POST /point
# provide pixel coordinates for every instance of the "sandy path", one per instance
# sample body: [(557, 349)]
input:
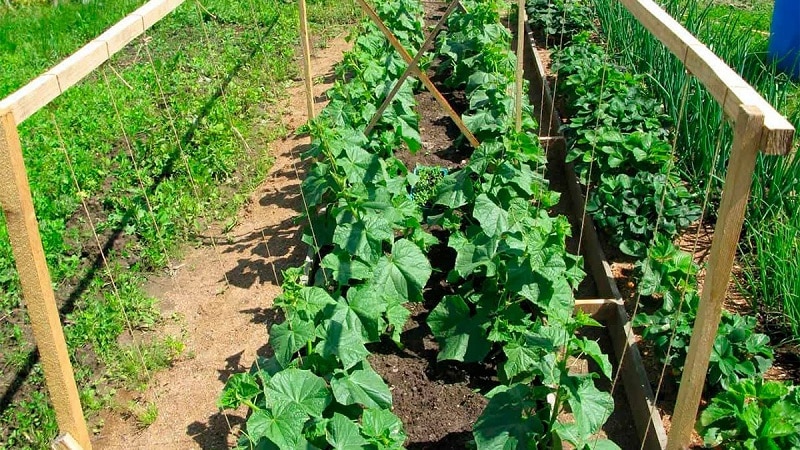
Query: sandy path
[(226, 326)]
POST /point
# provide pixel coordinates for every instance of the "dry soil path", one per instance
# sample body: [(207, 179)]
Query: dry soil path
[(225, 324)]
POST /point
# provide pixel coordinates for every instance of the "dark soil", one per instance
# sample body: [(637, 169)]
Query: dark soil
[(437, 402)]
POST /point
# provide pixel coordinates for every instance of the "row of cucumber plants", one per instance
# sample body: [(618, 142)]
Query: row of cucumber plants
[(318, 390), (620, 146), (513, 279)]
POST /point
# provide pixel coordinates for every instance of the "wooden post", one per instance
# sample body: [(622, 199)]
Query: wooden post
[(736, 191), (306, 44), (37, 289), (520, 62)]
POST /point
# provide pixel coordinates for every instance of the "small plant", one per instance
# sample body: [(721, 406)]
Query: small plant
[(753, 414), (668, 274), (424, 183), (560, 19)]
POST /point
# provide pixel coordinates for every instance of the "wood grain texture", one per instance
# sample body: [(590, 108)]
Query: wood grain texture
[(735, 194), (305, 42), (37, 289), (66, 442), (47, 87), (724, 84)]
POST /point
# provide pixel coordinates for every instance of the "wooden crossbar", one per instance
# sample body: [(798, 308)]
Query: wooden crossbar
[(47, 87), (422, 75), (412, 67), (725, 85)]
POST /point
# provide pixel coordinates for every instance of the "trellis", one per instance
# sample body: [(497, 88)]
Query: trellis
[(757, 127)]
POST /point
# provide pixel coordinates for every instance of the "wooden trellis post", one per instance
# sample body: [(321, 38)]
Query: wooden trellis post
[(746, 142), (305, 42), (520, 59), (37, 288)]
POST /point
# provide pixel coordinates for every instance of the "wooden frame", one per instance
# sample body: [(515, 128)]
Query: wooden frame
[(47, 87)]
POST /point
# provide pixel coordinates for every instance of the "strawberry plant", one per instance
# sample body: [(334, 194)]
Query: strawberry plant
[(753, 414), (560, 19), (669, 275)]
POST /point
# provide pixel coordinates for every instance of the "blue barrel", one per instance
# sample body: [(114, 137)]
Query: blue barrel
[(784, 39)]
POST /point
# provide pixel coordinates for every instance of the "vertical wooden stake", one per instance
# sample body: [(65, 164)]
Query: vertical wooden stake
[(736, 191), (520, 59), (37, 289), (306, 44)]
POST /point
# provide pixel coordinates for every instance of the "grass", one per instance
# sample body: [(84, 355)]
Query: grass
[(153, 175), (738, 33)]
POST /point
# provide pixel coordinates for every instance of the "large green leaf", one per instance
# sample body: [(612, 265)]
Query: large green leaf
[(345, 268), (403, 273), (343, 434), (369, 307), (281, 425), (312, 300), (383, 429), (461, 337), (289, 337), (363, 238), (455, 190), (493, 219), (360, 166), (239, 387), (299, 388), (505, 423), (592, 349), (342, 340), (364, 387), (590, 406)]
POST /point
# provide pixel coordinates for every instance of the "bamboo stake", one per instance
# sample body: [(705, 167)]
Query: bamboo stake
[(306, 44), (520, 59), (37, 289), (746, 143), (411, 67), (422, 75)]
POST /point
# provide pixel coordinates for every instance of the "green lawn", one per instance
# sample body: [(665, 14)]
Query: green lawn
[(221, 67)]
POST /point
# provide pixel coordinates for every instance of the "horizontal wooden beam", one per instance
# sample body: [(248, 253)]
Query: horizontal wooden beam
[(47, 87), (725, 85)]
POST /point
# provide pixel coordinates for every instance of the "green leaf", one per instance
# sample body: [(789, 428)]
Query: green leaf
[(345, 268), (455, 190), (281, 425), (300, 388), (383, 428), (239, 387), (313, 300), (397, 315), (592, 350), (342, 340), (403, 273), (343, 434), (369, 307), (461, 337), (364, 238), (364, 387), (288, 338), (493, 219), (590, 404), (505, 423)]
